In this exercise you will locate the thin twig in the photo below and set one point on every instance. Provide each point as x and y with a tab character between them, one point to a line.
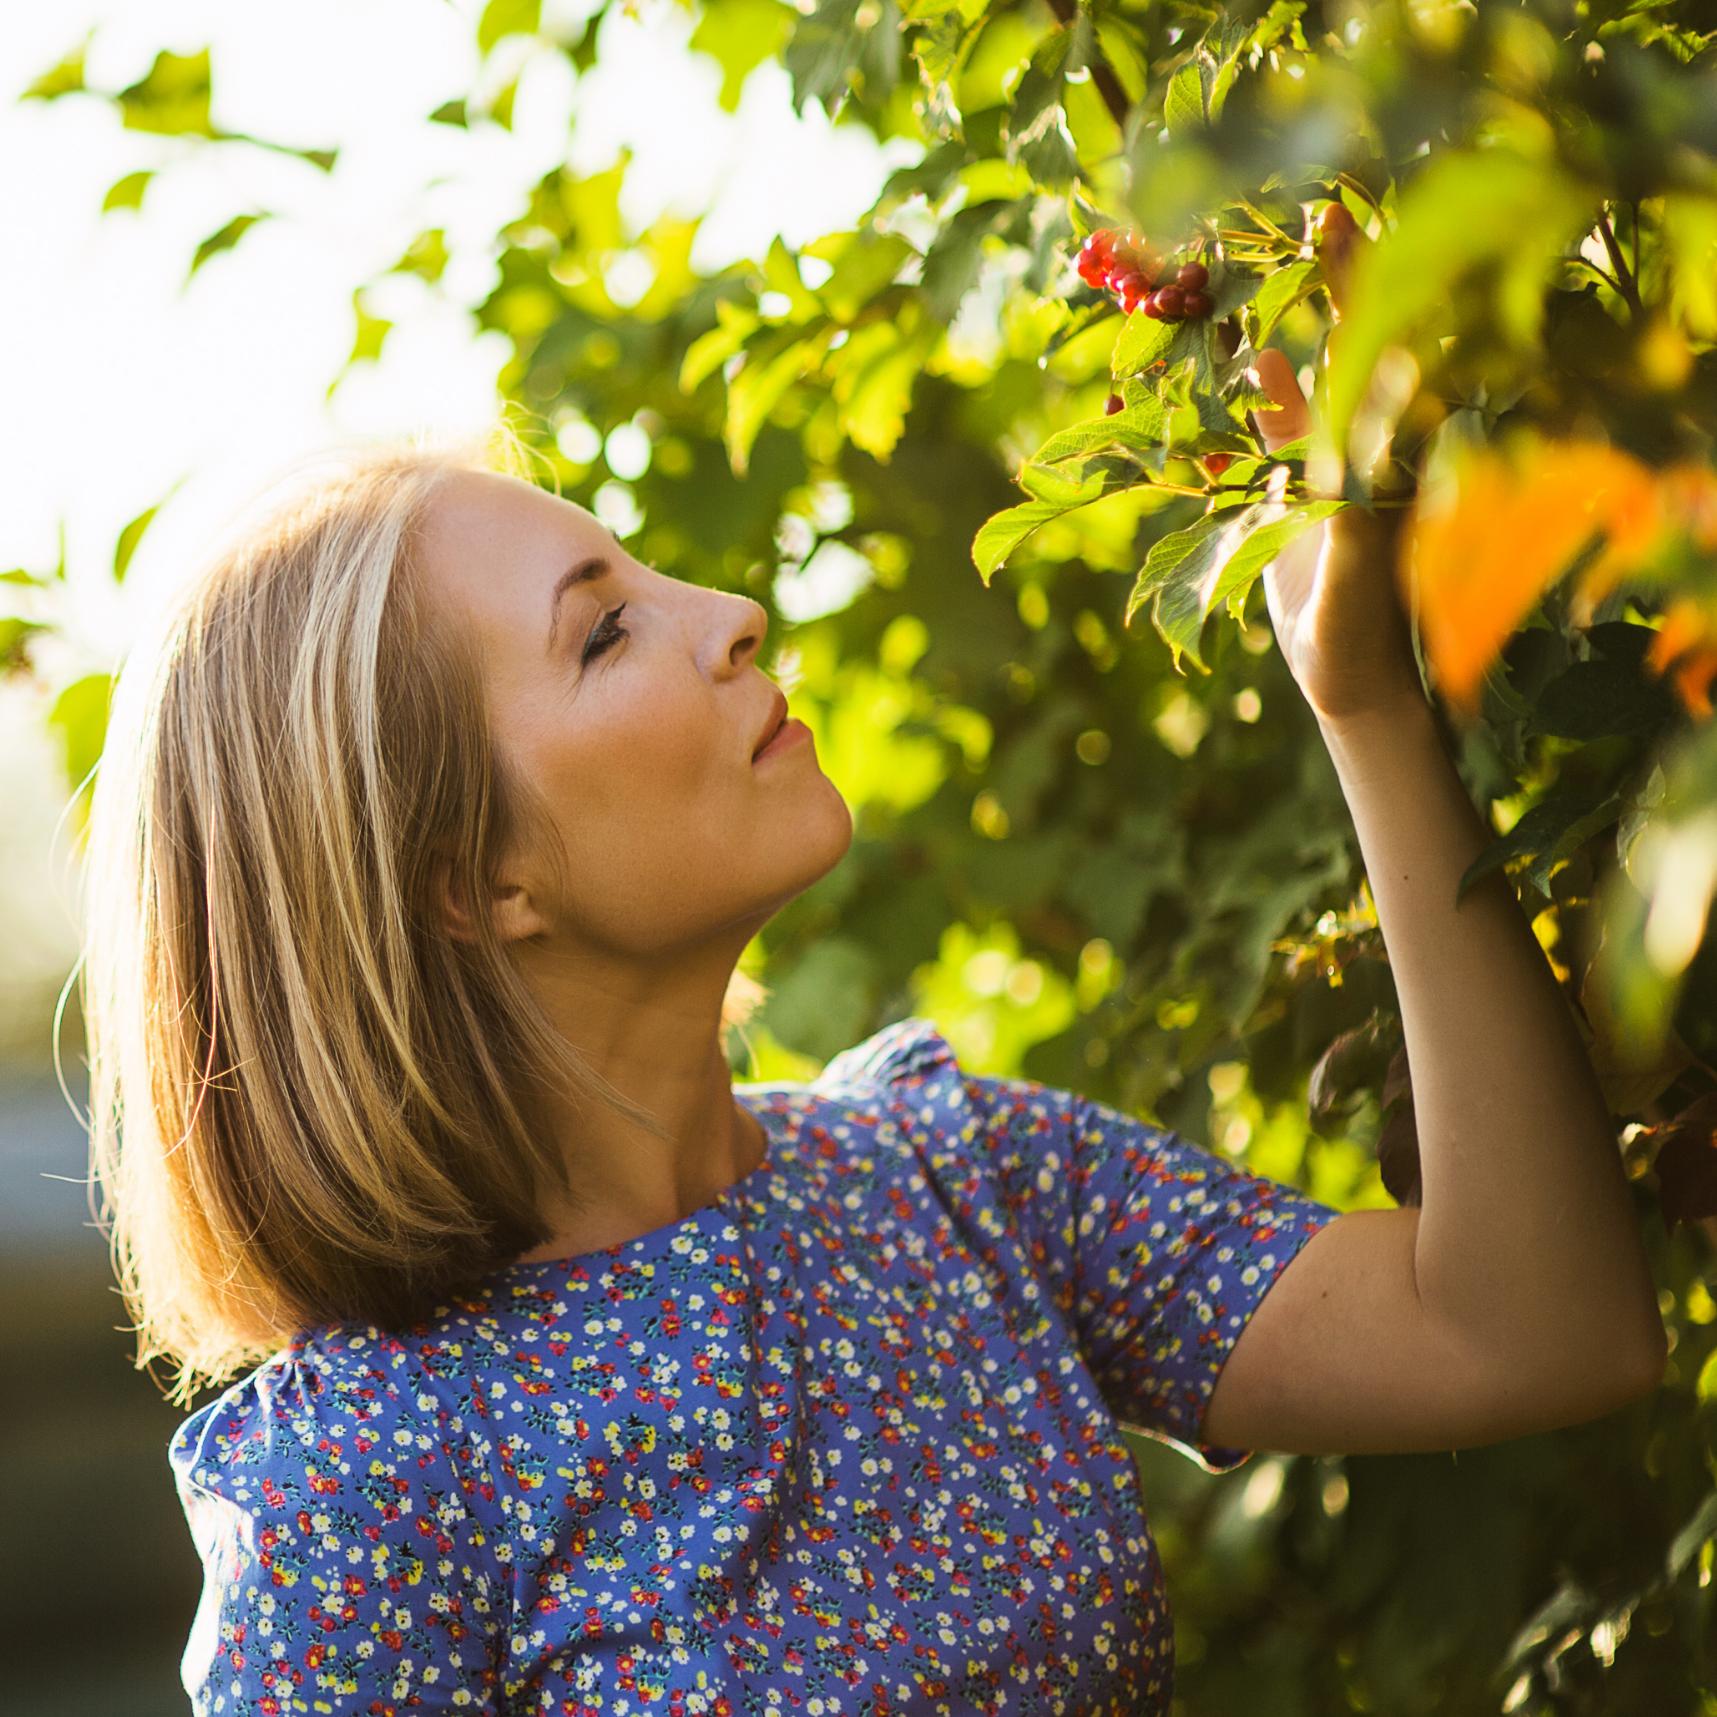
1625	283
1603	274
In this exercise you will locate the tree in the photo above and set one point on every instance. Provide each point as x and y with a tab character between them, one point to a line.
1114	857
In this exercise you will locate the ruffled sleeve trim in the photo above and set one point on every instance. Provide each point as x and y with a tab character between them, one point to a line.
908	1049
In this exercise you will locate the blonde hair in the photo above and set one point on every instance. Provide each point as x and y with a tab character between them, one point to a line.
308	1102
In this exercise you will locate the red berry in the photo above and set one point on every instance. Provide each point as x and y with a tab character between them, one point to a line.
1094	261
1197	305
1170	302
1217	463
1132	295
1194	276
1115	404
1132	250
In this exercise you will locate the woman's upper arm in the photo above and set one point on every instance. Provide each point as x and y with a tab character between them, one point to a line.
1342	1358
341	1563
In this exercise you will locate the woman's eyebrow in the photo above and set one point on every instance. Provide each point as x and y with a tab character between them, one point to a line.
586	572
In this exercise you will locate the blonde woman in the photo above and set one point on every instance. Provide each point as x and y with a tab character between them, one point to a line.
576	1378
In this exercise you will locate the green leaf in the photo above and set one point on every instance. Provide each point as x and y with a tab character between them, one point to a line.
1281	290
1035	130
79	714
1124	48
1141	425
126	545
1169	551
15	636
739	36
1690	241
1145	343
951	264
1190	571
224	239
1464	210
1183	106
1551	831
127	193
370	333
825	53
172	99
450	113
865	264
1003	532
781	274
129	538
66	78
1600	700
735	324
1231	289
772	365
1262	543
873	375
507	18
425	256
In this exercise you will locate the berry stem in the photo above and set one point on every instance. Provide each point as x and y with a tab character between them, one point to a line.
1267	224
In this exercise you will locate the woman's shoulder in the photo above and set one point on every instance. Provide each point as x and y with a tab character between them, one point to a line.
328	1397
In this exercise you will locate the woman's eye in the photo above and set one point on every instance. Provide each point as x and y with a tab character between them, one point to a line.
605	632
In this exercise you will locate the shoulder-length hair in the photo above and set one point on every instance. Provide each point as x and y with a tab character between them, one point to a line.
309	1103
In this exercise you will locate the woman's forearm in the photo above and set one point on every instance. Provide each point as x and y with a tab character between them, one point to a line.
1527	1240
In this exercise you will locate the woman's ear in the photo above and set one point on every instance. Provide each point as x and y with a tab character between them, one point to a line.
514	915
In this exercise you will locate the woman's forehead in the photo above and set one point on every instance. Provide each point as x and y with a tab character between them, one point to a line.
494	537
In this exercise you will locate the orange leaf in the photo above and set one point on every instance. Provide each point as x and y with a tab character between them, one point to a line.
1686	647
1483	547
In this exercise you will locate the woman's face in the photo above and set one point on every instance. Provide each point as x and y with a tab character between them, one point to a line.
637	727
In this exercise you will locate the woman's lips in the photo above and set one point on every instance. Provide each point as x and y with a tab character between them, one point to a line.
788	734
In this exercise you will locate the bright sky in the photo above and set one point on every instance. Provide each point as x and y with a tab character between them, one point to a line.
120	381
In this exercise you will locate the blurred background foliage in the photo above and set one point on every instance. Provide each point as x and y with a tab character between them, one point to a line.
1114	856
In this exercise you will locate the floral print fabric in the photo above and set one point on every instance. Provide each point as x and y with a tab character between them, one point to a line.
843	1440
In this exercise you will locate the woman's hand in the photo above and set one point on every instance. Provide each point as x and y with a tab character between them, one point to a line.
1331	592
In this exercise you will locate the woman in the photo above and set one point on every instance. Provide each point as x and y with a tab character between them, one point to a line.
584	1381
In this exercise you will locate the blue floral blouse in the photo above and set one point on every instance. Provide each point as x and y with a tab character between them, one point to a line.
843	1440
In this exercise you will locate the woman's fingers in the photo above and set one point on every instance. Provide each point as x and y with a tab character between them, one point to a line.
1291	417
1338	238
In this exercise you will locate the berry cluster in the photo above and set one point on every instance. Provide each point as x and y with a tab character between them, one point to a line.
1123	263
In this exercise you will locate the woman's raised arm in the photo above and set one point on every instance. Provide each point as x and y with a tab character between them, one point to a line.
1518	1296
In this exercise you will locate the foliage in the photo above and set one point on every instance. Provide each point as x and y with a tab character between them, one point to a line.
1106	871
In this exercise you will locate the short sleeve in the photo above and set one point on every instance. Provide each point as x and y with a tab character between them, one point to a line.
343	1568
1159	1249
1156	1250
